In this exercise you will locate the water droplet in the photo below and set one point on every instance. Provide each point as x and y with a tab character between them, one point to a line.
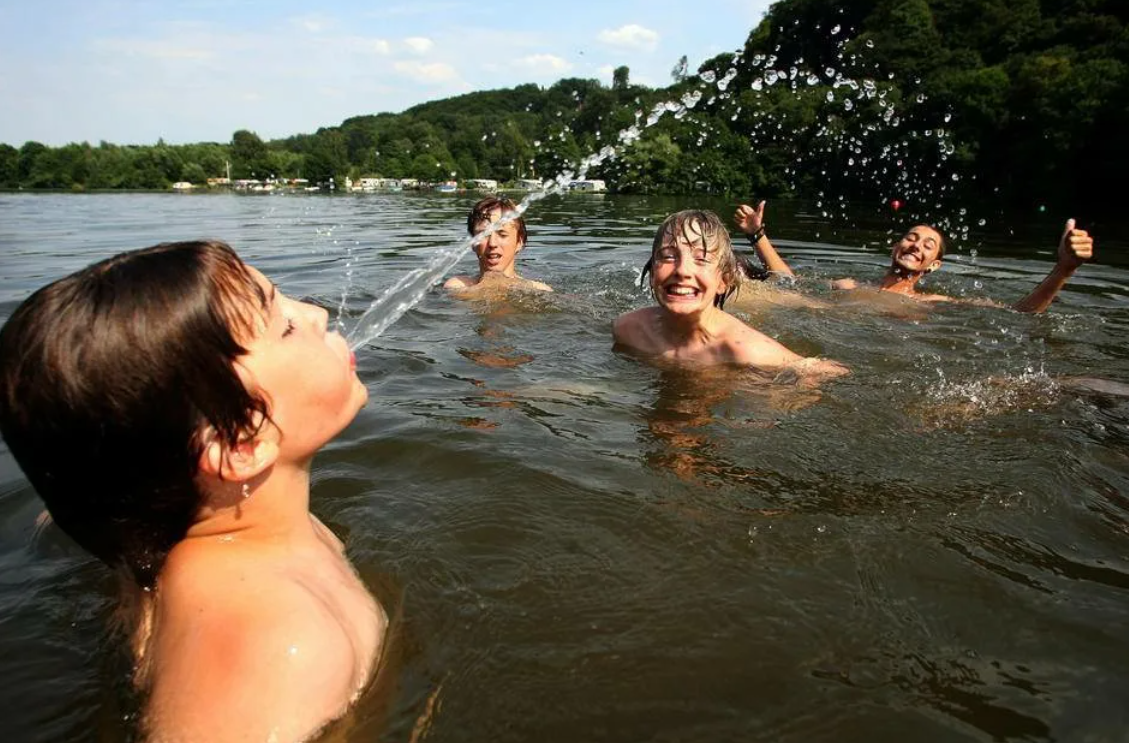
708	76
723	83
836	29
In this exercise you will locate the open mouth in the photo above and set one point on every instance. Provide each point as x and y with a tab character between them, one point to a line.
681	293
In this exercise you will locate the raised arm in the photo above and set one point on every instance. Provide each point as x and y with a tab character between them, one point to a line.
751	222
1075	248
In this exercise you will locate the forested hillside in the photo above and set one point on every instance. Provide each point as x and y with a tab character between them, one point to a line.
1020	102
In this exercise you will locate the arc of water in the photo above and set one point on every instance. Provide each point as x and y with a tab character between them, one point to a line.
409	289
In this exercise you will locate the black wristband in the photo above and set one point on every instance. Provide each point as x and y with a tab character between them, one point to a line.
753	238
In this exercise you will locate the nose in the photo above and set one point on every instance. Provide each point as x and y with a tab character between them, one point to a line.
685	263
318	317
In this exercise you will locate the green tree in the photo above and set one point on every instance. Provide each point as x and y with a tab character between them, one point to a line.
9	166
248	155
681	70
650	164
328	158
620	78
29	153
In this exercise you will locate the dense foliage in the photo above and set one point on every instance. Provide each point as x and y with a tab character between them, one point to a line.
1018	101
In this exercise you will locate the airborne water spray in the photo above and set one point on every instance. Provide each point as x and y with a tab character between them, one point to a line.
861	127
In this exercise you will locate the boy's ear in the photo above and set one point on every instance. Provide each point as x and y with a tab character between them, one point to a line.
240	463
933	266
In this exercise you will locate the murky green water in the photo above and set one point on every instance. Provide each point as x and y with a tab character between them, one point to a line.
581	547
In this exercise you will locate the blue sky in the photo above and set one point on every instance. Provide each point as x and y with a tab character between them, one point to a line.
132	71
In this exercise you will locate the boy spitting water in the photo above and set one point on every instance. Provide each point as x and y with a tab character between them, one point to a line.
166	404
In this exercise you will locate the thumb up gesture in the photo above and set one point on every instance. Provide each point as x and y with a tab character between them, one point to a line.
1075	247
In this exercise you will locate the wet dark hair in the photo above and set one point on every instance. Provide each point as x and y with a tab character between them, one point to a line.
481	211
714	236
942	246
109	381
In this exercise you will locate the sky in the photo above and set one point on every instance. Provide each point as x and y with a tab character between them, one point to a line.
134	71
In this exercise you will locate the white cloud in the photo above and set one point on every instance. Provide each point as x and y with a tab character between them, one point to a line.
363	45
631	36
435	72
419	44
546	63
313	23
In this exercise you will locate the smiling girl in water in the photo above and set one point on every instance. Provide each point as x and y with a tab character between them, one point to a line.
693	270
166	405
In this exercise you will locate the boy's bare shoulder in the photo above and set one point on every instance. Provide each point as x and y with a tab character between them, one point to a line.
635	331
456	283
536	285
748	346
633	322
263	658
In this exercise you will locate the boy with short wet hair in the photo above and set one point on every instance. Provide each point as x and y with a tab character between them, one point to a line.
501	235
693	270
166	404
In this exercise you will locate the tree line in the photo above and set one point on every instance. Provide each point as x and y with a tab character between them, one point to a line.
1018	101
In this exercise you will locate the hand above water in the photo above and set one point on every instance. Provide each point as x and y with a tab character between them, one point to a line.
1076	246
748	219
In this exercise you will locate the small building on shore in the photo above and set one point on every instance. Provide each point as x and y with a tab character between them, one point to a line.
586	185
481	184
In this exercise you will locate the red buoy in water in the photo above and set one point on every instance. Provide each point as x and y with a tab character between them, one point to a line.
895	204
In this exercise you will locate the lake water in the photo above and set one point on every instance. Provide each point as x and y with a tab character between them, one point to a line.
580	547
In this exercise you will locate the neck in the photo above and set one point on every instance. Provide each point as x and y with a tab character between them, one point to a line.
509	272
278	506
901	281
684	329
